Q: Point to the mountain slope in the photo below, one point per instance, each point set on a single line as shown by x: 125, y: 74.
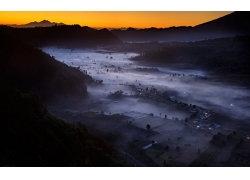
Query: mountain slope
x: 31, y: 70
x: 236, y: 23
x: 29, y: 134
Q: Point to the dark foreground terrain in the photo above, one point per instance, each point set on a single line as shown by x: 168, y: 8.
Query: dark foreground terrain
x: 30, y: 134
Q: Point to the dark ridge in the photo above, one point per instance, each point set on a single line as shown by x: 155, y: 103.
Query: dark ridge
x: 236, y: 23
x: 71, y: 36
x: 88, y: 28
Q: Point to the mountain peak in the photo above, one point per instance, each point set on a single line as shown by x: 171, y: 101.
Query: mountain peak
x: 43, y: 23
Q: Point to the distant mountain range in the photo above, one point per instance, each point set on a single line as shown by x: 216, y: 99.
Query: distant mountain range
x: 44, y: 23
x: 236, y: 23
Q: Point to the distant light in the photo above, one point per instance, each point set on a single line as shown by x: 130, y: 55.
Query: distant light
x: 231, y: 105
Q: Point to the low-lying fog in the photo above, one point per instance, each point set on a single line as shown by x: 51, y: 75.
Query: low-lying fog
x: 119, y: 73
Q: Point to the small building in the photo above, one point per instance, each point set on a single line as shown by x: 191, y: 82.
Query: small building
x: 247, y: 137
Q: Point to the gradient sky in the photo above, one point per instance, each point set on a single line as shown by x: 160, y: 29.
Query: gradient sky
x: 113, y: 19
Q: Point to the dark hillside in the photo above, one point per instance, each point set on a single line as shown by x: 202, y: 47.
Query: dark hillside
x: 29, y: 69
x: 233, y: 24
x: 224, y: 55
x: 31, y: 136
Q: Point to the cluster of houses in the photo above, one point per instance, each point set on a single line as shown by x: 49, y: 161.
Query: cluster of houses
x: 204, y: 126
x: 201, y: 121
x: 205, y: 114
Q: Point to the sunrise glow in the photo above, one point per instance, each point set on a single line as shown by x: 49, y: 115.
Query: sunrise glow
x: 113, y: 19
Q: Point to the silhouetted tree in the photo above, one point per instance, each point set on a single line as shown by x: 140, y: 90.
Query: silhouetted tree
x: 148, y: 126
x: 234, y: 133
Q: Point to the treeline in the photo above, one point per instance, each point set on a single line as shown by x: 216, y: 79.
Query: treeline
x: 224, y: 55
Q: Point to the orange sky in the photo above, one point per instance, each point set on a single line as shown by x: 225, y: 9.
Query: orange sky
x: 113, y: 19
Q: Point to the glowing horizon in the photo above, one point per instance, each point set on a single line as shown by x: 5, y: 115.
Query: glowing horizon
x: 113, y: 19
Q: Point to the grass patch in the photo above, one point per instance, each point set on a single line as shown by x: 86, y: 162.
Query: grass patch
x: 168, y: 156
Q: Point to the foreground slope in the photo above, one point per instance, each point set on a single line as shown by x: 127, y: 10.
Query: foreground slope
x: 31, y: 136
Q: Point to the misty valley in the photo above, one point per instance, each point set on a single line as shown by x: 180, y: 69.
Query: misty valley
x: 184, y: 107
x: 77, y: 96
